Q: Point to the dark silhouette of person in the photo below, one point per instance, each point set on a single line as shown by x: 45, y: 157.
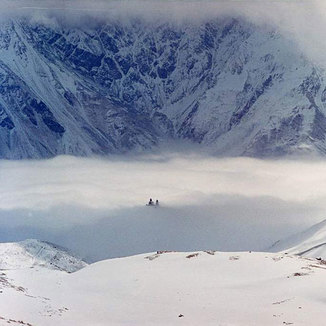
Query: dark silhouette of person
x: 150, y: 202
x: 156, y: 203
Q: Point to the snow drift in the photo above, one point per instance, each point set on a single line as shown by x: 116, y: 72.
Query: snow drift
x: 194, y: 288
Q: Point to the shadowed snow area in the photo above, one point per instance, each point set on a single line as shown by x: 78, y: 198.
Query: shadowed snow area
x: 96, y: 207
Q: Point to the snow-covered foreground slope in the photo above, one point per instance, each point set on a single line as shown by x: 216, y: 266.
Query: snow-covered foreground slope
x: 35, y: 253
x: 310, y: 243
x: 202, y: 288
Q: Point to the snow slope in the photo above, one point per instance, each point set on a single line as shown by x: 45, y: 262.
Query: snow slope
x: 232, y: 86
x: 35, y: 253
x: 201, y: 288
x: 310, y: 243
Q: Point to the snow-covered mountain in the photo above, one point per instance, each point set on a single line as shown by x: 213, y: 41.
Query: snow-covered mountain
x: 35, y: 253
x: 309, y: 243
x: 227, y: 84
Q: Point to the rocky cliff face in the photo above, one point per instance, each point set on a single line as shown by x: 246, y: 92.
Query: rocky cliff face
x: 231, y: 86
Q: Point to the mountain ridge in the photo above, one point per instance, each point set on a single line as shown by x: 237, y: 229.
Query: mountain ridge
x: 231, y: 86
x: 33, y: 253
x: 309, y: 243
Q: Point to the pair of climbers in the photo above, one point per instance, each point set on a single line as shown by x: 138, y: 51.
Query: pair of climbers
x: 151, y: 202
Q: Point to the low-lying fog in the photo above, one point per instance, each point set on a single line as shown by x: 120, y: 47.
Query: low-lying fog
x: 96, y: 207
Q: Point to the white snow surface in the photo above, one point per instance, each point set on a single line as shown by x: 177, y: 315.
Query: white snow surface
x: 200, y: 288
x: 34, y: 253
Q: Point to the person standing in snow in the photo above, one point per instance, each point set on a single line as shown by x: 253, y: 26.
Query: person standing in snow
x: 150, y: 202
x: 157, y: 203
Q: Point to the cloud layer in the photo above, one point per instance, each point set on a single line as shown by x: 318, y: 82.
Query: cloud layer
x: 97, y: 207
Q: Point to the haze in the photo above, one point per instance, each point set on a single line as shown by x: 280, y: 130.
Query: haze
x: 206, y: 203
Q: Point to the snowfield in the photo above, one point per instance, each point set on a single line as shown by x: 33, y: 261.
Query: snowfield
x: 170, y: 288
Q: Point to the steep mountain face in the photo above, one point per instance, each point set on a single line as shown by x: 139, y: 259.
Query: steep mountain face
x: 231, y: 86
